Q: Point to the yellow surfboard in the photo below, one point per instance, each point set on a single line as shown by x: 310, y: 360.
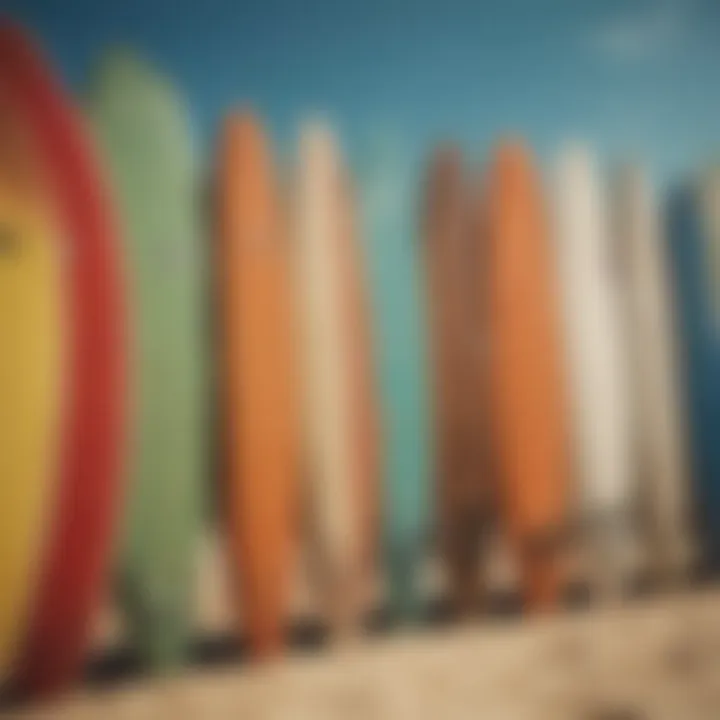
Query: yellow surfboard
x: 31, y: 332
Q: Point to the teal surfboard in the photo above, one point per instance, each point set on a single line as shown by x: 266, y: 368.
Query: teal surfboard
x: 388, y: 191
x: 145, y: 140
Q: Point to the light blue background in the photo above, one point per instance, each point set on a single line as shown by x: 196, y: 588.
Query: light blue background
x: 634, y: 77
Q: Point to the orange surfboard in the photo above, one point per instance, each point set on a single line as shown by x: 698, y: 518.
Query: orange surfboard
x: 455, y: 276
x: 259, y: 395
x: 530, y: 432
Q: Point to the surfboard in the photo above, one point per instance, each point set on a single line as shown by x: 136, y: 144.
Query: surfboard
x: 32, y: 309
x: 336, y: 377
x: 261, y: 407
x: 709, y: 198
x: 693, y: 278
x: 364, y: 407
x: 526, y: 374
x: 598, y: 364
x: 710, y: 209
x: 659, y: 430
x: 74, y: 568
x: 143, y: 130
x: 397, y: 302
x: 454, y: 277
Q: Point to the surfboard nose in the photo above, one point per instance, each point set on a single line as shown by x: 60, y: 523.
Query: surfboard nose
x: 246, y: 150
x: 513, y: 183
x: 246, y: 162
x: 512, y: 161
x: 443, y: 186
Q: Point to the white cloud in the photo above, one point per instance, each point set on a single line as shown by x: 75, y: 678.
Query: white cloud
x: 654, y: 31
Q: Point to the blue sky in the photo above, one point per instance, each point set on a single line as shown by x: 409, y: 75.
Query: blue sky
x: 634, y: 77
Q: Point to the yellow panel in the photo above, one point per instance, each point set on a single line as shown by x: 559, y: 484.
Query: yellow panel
x: 31, y: 335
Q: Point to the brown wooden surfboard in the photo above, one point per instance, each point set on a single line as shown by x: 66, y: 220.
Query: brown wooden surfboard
x: 260, y: 390
x: 526, y: 374
x: 455, y: 278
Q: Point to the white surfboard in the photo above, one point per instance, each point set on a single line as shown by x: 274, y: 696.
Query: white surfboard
x: 596, y: 371
x: 332, y: 499
x: 661, y: 450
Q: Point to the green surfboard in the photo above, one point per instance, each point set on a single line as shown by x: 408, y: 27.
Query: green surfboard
x: 144, y: 136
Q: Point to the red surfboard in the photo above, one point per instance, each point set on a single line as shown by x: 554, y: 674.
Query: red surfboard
x: 79, y: 539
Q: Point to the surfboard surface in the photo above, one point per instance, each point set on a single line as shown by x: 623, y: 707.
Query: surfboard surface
x: 659, y: 429
x: 709, y: 199
x: 260, y: 385
x: 336, y: 373
x: 690, y: 243
x: 455, y: 283
x: 32, y: 309
x: 525, y: 365
x: 145, y: 140
x: 363, y: 392
x: 75, y: 565
x: 397, y: 305
x: 597, y: 365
